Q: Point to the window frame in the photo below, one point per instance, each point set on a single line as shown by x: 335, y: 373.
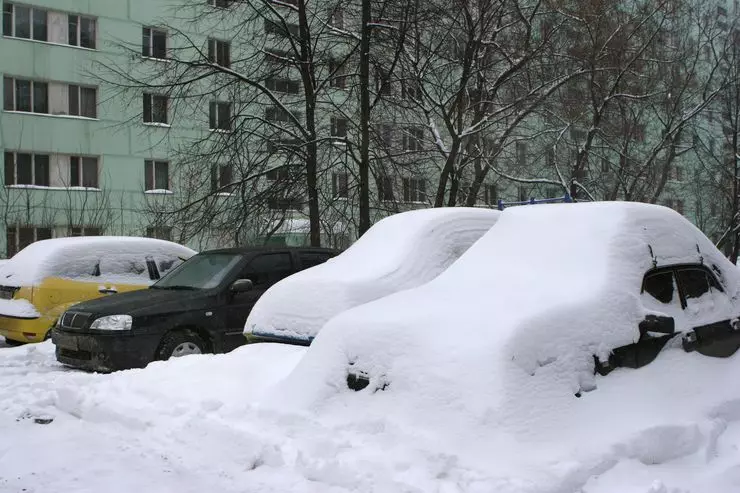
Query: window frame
x: 78, y: 31
x: 33, y: 170
x: 147, y: 50
x: 340, y: 185
x: 150, y: 174
x: 78, y: 88
x: 16, y: 237
x: 32, y: 94
x: 214, y: 116
x: 80, y: 178
x: 219, y: 52
x: 32, y: 9
x: 675, y: 269
x: 413, y: 193
x: 150, y: 116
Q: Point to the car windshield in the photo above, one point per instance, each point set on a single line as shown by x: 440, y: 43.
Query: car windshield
x: 204, y: 271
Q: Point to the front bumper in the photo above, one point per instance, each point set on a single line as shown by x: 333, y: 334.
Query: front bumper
x: 104, y: 352
x: 25, y: 329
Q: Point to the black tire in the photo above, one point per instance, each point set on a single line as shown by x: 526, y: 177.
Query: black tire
x: 174, y: 340
x: 12, y: 343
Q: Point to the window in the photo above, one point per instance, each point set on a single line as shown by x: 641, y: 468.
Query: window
x: 605, y: 166
x: 385, y: 189
x: 410, y: 89
x: 275, y: 114
x: 155, y: 108
x: 338, y: 74
x: 25, y: 22
x: 83, y: 101
x: 340, y: 185
x: 678, y: 173
x: 156, y: 175
x: 219, y: 52
x: 159, y: 232
x: 412, y: 139
x: 338, y: 127
x: 282, y: 85
x: 279, y: 202
x: 26, y: 169
x: 25, y: 95
x: 660, y: 286
x: 153, y: 43
x: 521, y: 154
x: 267, y: 269
x: 219, y: 116
x: 336, y: 18
x: 83, y: 172
x: 19, y: 237
x: 311, y: 259
x: 82, y: 31
x: 679, y: 206
x: 522, y: 193
x: 84, y: 231
x: 414, y: 190
x: 222, y: 4
x: 694, y: 283
x: 221, y: 179
x: 550, y: 157
x: 278, y: 174
x: 490, y: 194
x: 382, y: 82
x: 283, y: 30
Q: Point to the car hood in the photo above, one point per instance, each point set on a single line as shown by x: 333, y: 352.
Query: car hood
x: 146, y: 302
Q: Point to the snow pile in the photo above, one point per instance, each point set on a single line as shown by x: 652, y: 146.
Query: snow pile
x: 18, y: 309
x: 79, y: 257
x: 509, y: 331
x: 400, y: 252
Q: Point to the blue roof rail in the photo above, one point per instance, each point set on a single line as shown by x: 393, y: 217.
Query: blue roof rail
x: 564, y: 199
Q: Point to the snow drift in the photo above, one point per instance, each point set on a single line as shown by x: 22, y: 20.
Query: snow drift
x: 76, y: 256
x: 508, y: 333
x: 400, y: 252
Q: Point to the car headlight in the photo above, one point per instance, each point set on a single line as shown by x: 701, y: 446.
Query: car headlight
x: 113, y: 322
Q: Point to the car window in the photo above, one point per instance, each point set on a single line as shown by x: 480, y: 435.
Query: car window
x: 268, y: 268
x: 165, y: 263
x: 124, y: 268
x: 694, y: 282
x: 661, y: 286
x: 311, y: 259
x: 203, y: 271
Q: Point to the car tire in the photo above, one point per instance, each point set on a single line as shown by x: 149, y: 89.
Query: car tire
x: 180, y: 343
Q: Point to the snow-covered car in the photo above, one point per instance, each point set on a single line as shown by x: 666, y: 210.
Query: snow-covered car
x: 551, y: 296
x: 41, y: 281
x: 400, y: 252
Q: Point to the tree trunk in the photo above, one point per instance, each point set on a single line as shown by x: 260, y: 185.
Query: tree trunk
x: 309, y: 88
x: 364, y: 164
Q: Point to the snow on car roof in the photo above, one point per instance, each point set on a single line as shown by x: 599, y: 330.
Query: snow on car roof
x: 400, y: 252
x: 516, y: 320
x: 77, y: 254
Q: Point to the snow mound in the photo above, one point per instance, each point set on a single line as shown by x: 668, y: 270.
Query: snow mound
x: 18, y: 308
x: 400, y: 252
x: 77, y: 257
x: 510, y: 330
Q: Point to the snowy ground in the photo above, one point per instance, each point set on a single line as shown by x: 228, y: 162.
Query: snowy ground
x: 191, y: 425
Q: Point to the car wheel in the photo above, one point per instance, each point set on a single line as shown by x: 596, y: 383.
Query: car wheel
x: 176, y: 344
x: 12, y: 343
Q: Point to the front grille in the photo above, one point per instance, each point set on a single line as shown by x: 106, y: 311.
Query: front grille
x: 7, y: 292
x: 74, y: 320
x: 78, y: 355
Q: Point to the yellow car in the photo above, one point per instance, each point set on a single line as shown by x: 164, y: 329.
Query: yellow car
x: 44, y: 279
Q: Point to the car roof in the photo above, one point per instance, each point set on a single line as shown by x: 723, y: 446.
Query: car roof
x: 272, y: 249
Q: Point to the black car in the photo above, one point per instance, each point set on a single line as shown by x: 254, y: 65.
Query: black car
x: 199, y: 307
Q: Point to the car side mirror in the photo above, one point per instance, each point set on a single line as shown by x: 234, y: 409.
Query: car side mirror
x: 242, y: 286
x: 657, y: 323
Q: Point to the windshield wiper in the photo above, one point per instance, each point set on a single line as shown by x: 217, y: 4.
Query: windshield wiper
x: 181, y: 288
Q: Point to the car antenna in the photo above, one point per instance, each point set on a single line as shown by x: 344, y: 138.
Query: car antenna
x: 701, y: 257
x: 652, y: 255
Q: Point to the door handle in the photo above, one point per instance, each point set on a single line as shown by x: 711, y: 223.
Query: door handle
x: 107, y: 291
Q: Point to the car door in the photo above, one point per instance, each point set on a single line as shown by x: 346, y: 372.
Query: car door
x: 264, y: 270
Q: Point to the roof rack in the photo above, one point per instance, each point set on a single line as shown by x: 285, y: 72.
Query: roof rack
x: 566, y: 199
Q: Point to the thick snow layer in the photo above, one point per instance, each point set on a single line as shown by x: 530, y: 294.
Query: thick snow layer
x: 199, y: 424
x: 509, y: 331
x: 400, y: 252
x: 18, y: 308
x: 77, y: 257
